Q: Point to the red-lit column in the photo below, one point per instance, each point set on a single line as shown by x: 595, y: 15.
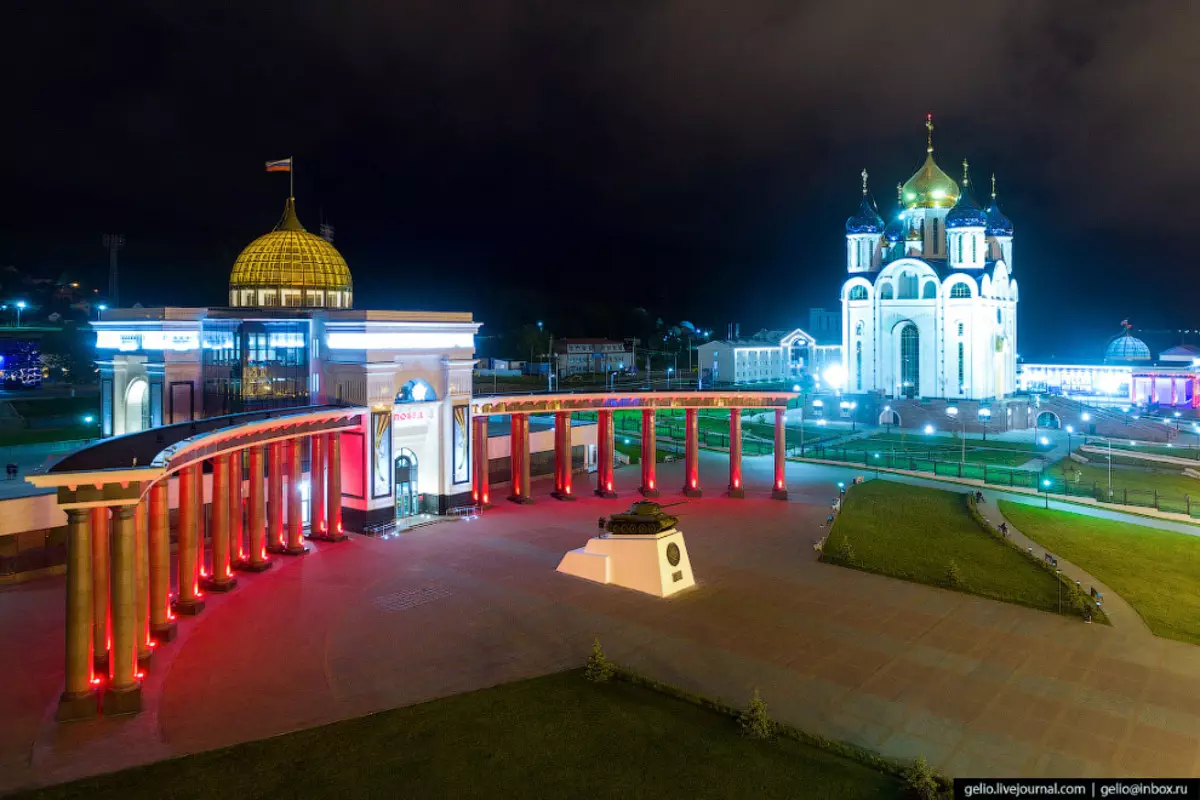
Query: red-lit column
x: 316, y: 488
x: 256, y: 518
x: 779, y: 488
x: 237, y: 512
x: 275, y: 497
x: 735, y: 453
x: 220, y: 578
x: 562, y: 455
x: 162, y: 628
x: 333, y: 488
x: 78, y: 699
x: 124, y: 692
x: 295, y: 511
x: 649, y: 487
x: 479, y: 461
x: 604, y: 453
x: 188, y: 598
x: 519, y: 458
x: 100, y: 588
x: 141, y: 561
x: 691, y: 453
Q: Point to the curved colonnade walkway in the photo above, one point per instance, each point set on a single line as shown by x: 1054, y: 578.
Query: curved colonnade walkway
x: 979, y: 687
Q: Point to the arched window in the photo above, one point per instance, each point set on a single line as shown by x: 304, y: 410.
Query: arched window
x: 416, y: 391
x: 885, y: 293
x: 858, y: 365
x: 960, y: 290
x: 908, y: 286
x: 936, y: 243
x: 999, y: 317
x: 910, y: 361
x: 960, y: 238
x: 858, y: 329
x: 960, y: 329
x: 974, y: 242
x: 858, y: 293
x: 961, y: 364
x: 929, y: 292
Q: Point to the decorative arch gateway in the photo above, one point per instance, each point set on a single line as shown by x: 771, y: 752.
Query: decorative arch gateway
x: 112, y: 629
x: 562, y: 406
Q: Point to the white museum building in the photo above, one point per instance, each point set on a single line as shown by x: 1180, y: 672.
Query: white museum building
x: 930, y: 307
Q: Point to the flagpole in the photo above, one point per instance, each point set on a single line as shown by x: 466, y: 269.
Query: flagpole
x: 292, y: 177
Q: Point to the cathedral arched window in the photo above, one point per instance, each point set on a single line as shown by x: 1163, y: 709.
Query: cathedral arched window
x: 885, y: 292
x: 974, y: 241
x: 858, y: 293
x: 858, y: 329
x: 929, y: 291
x: 960, y: 290
x: 960, y: 329
x: 858, y: 364
x: 960, y: 238
x: 961, y: 365
x: 908, y: 286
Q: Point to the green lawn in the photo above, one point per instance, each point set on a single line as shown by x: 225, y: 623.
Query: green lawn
x: 553, y: 737
x: 1091, y: 480
x: 912, y: 533
x: 946, y: 448
x: 1185, y: 449
x: 42, y: 435
x: 1155, y: 571
x: 57, y: 406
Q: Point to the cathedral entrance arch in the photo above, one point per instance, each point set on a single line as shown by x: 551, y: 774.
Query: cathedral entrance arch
x: 137, y: 406
x: 910, y: 360
x: 1048, y: 419
x: 890, y: 418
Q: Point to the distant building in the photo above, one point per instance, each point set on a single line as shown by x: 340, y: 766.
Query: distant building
x: 585, y: 356
x: 825, y: 325
x: 769, y: 357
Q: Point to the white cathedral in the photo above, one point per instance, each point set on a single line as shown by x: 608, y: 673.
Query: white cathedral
x: 930, y: 308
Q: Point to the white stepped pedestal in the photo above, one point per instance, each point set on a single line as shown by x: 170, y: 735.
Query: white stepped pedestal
x: 656, y: 564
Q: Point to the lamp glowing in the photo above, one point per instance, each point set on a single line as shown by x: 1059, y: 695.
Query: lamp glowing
x: 835, y: 376
x: 928, y: 429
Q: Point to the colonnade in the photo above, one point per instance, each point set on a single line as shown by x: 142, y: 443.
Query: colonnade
x: 119, y: 601
x: 519, y: 486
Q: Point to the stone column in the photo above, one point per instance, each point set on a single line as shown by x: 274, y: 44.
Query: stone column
x: 237, y: 512
x: 779, y: 488
x: 141, y: 557
x: 162, y: 629
x: 221, y: 579
x: 691, y: 453
x: 124, y: 692
x: 318, y: 526
x: 188, y: 599
x: 649, y: 487
x: 562, y: 456
x: 295, y: 514
x: 78, y: 699
x: 604, y: 453
x: 333, y: 483
x: 735, y: 453
x: 100, y: 585
x: 256, y: 523
x: 519, y: 458
x: 479, y: 461
x: 275, y: 497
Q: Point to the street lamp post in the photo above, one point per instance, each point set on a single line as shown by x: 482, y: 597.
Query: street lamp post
x: 670, y: 370
x: 100, y: 309
x: 888, y: 411
x: 952, y: 412
x: 20, y: 308
x: 1069, y: 429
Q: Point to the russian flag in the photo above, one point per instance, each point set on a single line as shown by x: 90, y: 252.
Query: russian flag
x: 282, y: 165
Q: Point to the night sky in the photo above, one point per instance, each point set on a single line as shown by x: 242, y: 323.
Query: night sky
x: 513, y: 159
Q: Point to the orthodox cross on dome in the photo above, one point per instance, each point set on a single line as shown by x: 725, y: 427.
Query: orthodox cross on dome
x: 993, y: 186
x: 900, y: 193
x: 929, y: 135
x: 864, y: 177
x: 966, y: 180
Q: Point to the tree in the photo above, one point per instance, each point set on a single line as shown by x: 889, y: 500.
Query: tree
x: 755, y: 721
x: 599, y: 669
x: 68, y: 355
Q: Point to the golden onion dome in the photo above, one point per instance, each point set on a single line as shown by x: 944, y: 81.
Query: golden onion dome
x: 290, y: 266
x: 929, y: 187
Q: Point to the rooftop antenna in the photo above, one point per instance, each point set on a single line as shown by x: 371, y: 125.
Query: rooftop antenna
x: 326, y: 228
x: 113, y: 242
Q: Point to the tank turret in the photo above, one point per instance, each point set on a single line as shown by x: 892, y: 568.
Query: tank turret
x: 643, y: 518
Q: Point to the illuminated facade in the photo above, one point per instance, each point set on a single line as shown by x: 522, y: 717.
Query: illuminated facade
x: 308, y: 347
x: 769, y: 357
x: 930, y: 307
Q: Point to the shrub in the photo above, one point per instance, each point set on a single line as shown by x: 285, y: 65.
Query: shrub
x: 954, y: 577
x: 842, y: 551
x: 599, y: 668
x: 921, y: 780
x: 755, y: 721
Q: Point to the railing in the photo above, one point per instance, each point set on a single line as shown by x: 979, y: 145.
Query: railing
x: 464, y: 512
x: 1042, y: 481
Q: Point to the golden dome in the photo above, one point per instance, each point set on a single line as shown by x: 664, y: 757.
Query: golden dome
x: 290, y: 267
x: 930, y: 187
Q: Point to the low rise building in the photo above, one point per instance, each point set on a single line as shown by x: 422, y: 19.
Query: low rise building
x: 587, y: 356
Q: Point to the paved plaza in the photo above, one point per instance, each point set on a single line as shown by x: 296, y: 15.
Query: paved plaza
x: 978, y: 687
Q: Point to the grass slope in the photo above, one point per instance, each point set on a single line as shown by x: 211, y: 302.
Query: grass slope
x: 1155, y: 571
x: 557, y: 736
x: 912, y: 532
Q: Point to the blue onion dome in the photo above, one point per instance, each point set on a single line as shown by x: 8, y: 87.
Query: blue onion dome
x: 966, y: 212
x: 894, y: 231
x: 997, y: 223
x: 867, y: 220
x: 1125, y: 347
